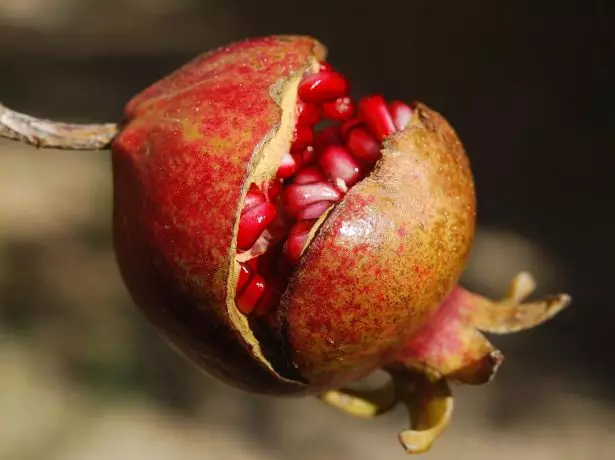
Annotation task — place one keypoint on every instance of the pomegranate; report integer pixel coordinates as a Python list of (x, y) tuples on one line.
[(291, 240)]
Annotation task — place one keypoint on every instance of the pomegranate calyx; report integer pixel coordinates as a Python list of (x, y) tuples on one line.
[(512, 313), (427, 397), (363, 403), (430, 404), (451, 344)]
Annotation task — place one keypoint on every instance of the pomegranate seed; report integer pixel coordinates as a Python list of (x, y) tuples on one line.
[(363, 144), (252, 223), (328, 136), (401, 114), (308, 114), (309, 175), (314, 211), (340, 109), (253, 291), (337, 163), (273, 189), (307, 155), (245, 273), (303, 137), (325, 66), (296, 239), (323, 86), (254, 197), (253, 263), (274, 288), (349, 125), (303, 157), (374, 112), (298, 158), (287, 167), (297, 196)]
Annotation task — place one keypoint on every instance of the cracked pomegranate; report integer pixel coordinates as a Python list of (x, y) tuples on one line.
[(291, 240)]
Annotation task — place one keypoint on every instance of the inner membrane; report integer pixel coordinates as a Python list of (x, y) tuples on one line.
[(336, 143)]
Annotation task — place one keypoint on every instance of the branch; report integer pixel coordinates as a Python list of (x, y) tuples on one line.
[(52, 134)]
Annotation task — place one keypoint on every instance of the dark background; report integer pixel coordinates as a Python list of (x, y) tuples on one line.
[(529, 86)]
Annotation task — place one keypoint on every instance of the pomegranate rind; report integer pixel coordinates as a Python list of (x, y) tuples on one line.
[(384, 258), (182, 164)]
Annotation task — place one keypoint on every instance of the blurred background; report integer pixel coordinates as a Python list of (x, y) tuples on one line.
[(528, 85)]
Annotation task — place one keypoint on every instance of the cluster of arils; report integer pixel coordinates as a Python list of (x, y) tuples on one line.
[(336, 144)]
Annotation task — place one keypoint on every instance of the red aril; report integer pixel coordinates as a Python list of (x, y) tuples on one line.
[(303, 137), (338, 163), (309, 175), (252, 223), (298, 196), (324, 66), (314, 211), (348, 125), (303, 157), (323, 86), (287, 167), (253, 198), (273, 189), (374, 112), (250, 295), (340, 109), (363, 144), (270, 299), (296, 239), (245, 273), (309, 114), (401, 114), (328, 136)]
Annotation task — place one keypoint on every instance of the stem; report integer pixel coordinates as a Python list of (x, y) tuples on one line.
[(53, 134)]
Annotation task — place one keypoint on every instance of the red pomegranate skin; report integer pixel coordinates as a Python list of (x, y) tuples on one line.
[(385, 258), (180, 165)]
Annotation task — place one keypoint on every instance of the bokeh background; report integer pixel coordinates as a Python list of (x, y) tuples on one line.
[(528, 85)]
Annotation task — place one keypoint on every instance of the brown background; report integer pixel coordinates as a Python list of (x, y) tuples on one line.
[(529, 87)]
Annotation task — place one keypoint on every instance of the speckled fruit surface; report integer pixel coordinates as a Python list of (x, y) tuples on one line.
[(385, 257)]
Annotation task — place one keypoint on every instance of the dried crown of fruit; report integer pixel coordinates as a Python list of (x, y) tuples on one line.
[(291, 240)]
